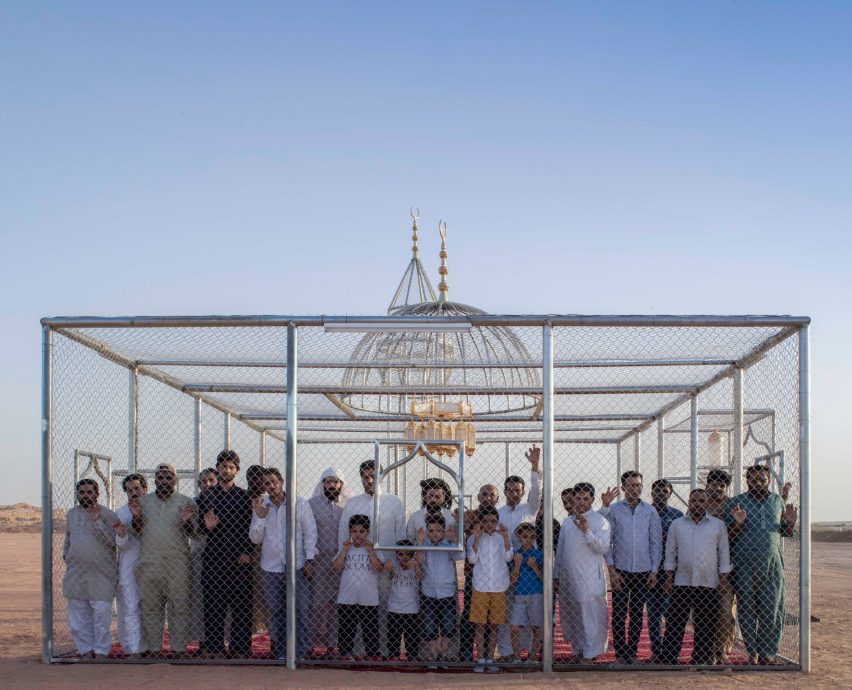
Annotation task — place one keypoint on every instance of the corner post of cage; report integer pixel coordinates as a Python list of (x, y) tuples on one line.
[(737, 441), (618, 463), (661, 447), (547, 492), (290, 480), (262, 459), (226, 441), (805, 500), (47, 493), (693, 442), (637, 451), (196, 442), (133, 420)]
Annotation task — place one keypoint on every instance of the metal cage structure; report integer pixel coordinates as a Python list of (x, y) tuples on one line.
[(600, 394)]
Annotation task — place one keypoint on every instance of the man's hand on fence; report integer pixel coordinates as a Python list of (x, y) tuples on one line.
[(244, 559), (608, 496), (790, 516), (260, 507), (308, 570), (119, 528), (186, 512), (739, 515), (533, 455), (652, 580), (210, 520), (582, 523)]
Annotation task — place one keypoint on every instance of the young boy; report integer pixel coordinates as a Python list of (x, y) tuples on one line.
[(404, 603), (529, 591), (488, 551), (358, 598), (440, 588)]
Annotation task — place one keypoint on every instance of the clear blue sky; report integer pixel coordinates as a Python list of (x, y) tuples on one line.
[(619, 157)]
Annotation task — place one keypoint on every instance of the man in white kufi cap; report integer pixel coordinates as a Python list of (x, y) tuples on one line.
[(329, 497)]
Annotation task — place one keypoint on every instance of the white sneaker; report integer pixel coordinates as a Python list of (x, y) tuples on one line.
[(480, 666), (490, 667)]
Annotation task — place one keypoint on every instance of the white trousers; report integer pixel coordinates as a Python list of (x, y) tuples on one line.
[(129, 618), (88, 622), (585, 624)]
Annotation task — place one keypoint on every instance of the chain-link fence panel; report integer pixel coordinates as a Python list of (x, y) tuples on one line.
[(672, 481)]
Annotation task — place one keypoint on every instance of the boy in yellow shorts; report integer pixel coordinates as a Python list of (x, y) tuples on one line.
[(489, 551)]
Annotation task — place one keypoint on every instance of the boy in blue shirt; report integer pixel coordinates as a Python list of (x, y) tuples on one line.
[(527, 610)]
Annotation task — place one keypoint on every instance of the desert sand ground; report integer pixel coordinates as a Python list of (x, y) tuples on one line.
[(20, 640)]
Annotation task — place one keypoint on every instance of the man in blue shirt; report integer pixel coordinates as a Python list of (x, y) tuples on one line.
[(633, 562), (658, 599)]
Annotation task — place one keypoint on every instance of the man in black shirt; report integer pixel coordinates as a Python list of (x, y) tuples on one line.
[(226, 573)]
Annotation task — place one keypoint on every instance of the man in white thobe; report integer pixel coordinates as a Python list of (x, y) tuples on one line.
[(127, 593), (584, 541), (391, 529)]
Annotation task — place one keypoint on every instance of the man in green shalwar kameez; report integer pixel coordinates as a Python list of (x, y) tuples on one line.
[(757, 520)]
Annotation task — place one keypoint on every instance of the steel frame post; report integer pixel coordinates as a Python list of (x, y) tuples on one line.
[(805, 500), (47, 493), (263, 449), (196, 432), (133, 421), (737, 440), (227, 431), (290, 482), (693, 443), (661, 447), (637, 452), (547, 493), (618, 464)]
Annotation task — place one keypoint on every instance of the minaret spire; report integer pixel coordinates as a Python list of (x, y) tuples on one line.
[(414, 217), (443, 271)]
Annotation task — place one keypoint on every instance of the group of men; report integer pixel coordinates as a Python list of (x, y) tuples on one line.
[(215, 566), (720, 564)]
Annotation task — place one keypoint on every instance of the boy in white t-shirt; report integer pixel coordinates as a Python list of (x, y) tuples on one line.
[(404, 603), (358, 598), (440, 587)]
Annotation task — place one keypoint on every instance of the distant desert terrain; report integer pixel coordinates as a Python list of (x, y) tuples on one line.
[(20, 641)]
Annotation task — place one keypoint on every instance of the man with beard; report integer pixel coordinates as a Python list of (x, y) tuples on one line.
[(164, 522), (757, 521), (391, 529), (326, 504), (90, 572), (658, 599), (127, 595), (435, 500), (226, 512), (697, 564)]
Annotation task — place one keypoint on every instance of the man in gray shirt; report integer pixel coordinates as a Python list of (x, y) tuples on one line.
[(633, 561), (91, 572)]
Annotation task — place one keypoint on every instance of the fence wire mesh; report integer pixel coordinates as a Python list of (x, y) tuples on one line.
[(674, 495)]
